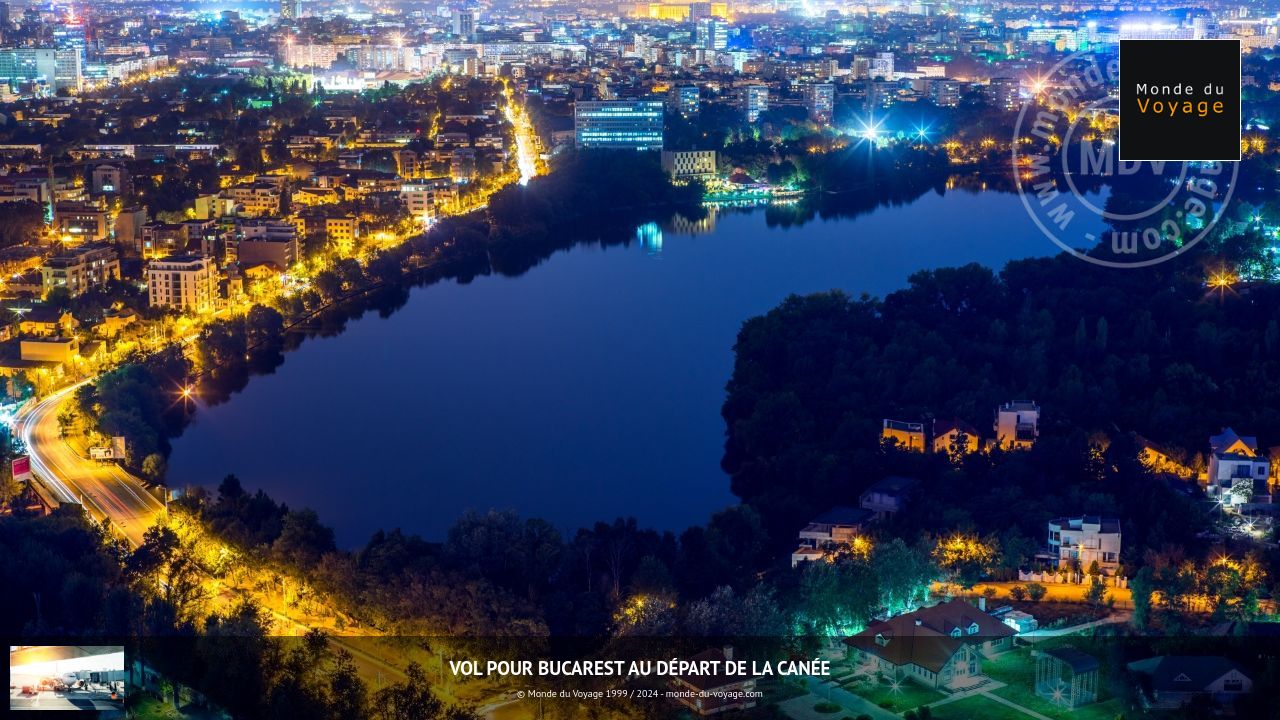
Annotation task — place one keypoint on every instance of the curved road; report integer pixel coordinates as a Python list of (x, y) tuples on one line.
[(122, 502), (110, 494)]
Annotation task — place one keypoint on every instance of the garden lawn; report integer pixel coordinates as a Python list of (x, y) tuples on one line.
[(1017, 670), (977, 707), (908, 696)]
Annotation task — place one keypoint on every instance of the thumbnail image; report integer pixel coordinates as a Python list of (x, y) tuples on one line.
[(67, 677)]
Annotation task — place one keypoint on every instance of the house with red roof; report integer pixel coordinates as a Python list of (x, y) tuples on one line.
[(940, 647)]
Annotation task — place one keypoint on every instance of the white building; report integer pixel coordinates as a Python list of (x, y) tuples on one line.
[(1237, 471), (185, 282), (1017, 425), (256, 199), (838, 527), (1087, 539), (755, 100), (690, 164)]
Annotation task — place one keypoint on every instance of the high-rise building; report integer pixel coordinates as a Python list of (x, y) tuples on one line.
[(110, 180), (712, 34), (755, 100), (290, 9), (684, 99), (700, 10), (464, 24), (183, 282), (944, 92), (820, 101), (882, 65), (36, 67), (618, 124), (1003, 92), (69, 69)]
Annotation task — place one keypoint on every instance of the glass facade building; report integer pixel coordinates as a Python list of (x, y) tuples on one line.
[(618, 124)]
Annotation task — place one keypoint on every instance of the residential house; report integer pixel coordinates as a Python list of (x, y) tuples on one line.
[(47, 321), (940, 647), (955, 435), (907, 435), (1017, 425), (1086, 540), (114, 322), (712, 694), (1237, 471), (1171, 681), (888, 495), (837, 527)]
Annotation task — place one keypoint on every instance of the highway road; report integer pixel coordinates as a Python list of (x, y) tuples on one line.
[(110, 494), (122, 502)]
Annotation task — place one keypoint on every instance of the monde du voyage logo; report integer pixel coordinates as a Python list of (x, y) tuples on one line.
[(1160, 115)]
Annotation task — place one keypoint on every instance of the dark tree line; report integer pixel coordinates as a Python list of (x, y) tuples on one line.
[(1105, 354)]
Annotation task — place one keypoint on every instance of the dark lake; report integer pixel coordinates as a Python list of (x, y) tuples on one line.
[(586, 389)]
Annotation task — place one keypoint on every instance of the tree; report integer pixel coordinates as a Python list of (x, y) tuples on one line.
[(1036, 591), (903, 575), (303, 540), (409, 700), (1097, 593), (348, 696), (20, 222), (154, 467), (1018, 592), (966, 557), (1141, 587)]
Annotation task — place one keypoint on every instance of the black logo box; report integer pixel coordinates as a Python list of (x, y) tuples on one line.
[(1181, 137)]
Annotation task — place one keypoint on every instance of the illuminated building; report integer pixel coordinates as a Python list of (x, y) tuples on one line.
[(618, 124), (690, 164), (1082, 541), (110, 180), (342, 231), (79, 270), (882, 65), (684, 100), (944, 92), (755, 100), (183, 282), (264, 241), (290, 9), (820, 101), (463, 23), (1003, 92), (35, 67), (69, 69), (1017, 425), (80, 221), (679, 12), (713, 34), (907, 435)]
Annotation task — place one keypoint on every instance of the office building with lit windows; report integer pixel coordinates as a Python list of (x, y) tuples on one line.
[(618, 124)]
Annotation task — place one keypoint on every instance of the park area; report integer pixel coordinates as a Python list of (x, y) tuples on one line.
[(1017, 670)]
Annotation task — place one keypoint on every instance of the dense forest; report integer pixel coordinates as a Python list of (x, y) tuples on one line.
[(1106, 354)]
